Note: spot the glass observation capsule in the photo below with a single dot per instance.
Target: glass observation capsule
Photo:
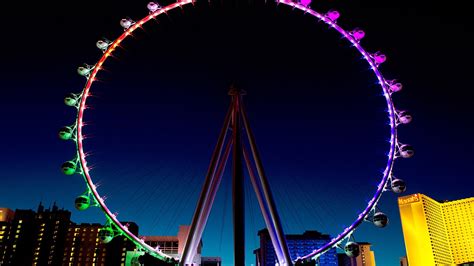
(404, 117)
(358, 34)
(102, 44)
(333, 15)
(84, 70)
(82, 202)
(352, 249)
(126, 23)
(69, 167)
(305, 3)
(394, 85)
(65, 133)
(106, 235)
(406, 151)
(398, 186)
(380, 219)
(70, 99)
(379, 58)
(153, 6)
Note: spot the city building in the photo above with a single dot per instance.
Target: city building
(404, 261)
(6, 218)
(6, 215)
(34, 238)
(50, 230)
(48, 237)
(437, 233)
(83, 245)
(211, 261)
(20, 236)
(298, 245)
(173, 245)
(116, 250)
(365, 258)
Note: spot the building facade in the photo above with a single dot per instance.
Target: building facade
(83, 245)
(48, 237)
(365, 258)
(404, 261)
(298, 245)
(34, 238)
(211, 261)
(437, 233)
(6, 215)
(173, 245)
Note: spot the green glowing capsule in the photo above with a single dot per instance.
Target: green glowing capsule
(82, 202)
(65, 133)
(70, 99)
(69, 168)
(106, 234)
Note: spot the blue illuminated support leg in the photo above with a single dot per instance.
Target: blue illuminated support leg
(203, 207)
(263, 206)
(275, 219)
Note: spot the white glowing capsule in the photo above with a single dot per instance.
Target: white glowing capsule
(103, 44)
(126, 23)
(153, 6)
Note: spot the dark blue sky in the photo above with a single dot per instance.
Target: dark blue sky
(315, 108)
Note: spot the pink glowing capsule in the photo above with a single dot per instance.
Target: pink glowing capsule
(358, 34)
(333, 15)
(305, 3)
(404, 117)
(379, 58)
(394, 85)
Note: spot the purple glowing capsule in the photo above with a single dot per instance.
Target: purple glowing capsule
(404, 117)
(126, 23)
(394, 85)
(153, 6)
(406, 151)
(358, 34)
(333, 15)
(379, 58)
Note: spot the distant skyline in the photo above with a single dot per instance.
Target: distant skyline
(315, 108)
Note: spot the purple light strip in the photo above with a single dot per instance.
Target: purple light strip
(393, 130)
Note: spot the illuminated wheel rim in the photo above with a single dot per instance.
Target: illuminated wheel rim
(374, 60)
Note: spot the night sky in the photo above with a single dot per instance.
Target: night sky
(314, 105)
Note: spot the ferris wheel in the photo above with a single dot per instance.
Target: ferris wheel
(237, 123)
